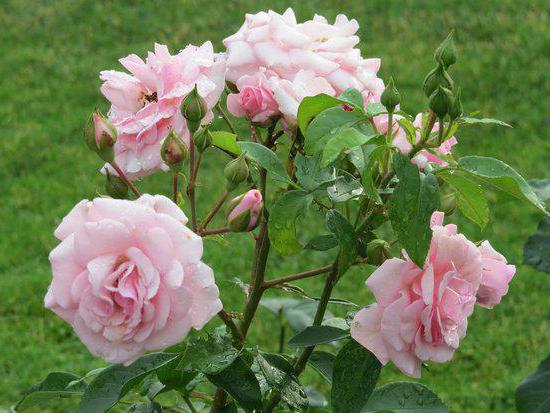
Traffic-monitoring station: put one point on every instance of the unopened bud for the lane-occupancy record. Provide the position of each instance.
(440, 102)
(438, 77)
(115, 186)
(173, 152)
(378, 251)
(456, 109)
(244, 211)
(390, 97)
(100, 136)
(236, 171)
(202, 139)
(446, 51)
(193, 109)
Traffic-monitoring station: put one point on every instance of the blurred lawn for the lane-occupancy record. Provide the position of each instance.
(51, 53)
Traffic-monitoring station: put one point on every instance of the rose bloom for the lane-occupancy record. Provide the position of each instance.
(313, 51)
(496, 275)
(421, 314)
(255, 99)
(128, 276)
(145, 104)
(249, 202)
(401, 142)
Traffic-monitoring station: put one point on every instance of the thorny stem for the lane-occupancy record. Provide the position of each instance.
(123, 176)
(204, 232)
(214, 210)
(228, 321)
(294, 277)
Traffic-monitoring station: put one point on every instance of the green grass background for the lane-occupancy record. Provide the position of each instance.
(50, 56)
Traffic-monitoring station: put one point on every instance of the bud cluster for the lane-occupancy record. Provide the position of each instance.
(438, 84)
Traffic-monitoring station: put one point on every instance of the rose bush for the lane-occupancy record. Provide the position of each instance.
(317, 141)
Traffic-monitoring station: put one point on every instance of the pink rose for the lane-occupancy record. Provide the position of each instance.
(145, 105)
(421, 313)
(244, 211)
(281, 45)
(255, 99)
(128, 276)
(496, 275)
(401, 142)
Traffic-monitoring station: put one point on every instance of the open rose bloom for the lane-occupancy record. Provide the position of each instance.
(421, 314)
(299, 60)
(128, 276)
(145, 105)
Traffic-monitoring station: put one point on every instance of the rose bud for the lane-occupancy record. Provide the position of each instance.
(236, 171)
(173, 152)
(193, 109)
(446, 51)
(103, 137)
(440, 102)
(390, 96)
(436, 78)
(244, 211)
(115, 186)
(378, 251)
(202, 139)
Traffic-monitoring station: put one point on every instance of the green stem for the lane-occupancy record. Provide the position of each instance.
(225, 118)
(214, 210)
(123, 176)
(389, 128)
(189, 404)
(191, 184)
(175, 188)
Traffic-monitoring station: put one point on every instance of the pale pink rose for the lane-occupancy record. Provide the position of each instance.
(421, 313)
(289, 93)
(401, 142)
(145, 105)
(280, 44)
(496, 275)
(248, 205)
(128, 276)
(255, 99)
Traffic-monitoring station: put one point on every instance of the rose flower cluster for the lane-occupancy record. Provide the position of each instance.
(128, 275)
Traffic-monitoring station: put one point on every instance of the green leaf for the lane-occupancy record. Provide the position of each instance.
(147, 407)
(174, 378)
(472, 201)
(346, 187)
(366, 159)
(315, 398)
(485, 121)
(315, 335)
(226, 141)
(536, 249)
(404, 397)
(323, 363)
(541, 188)
(328, 124)
(239, 382)
(302, 314)
(409, 129)
(56, 385)
(411, 206)
(279, 374)
(496, 175)
(266, 158)
(353, 97)
(282, 221)
(115, 381)
(322, 243)
(210, 354)
(533, 393)
(375, 109)
(311, 106)
(347, 239)
(355, 374)
(310, 175)
(344, 139)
